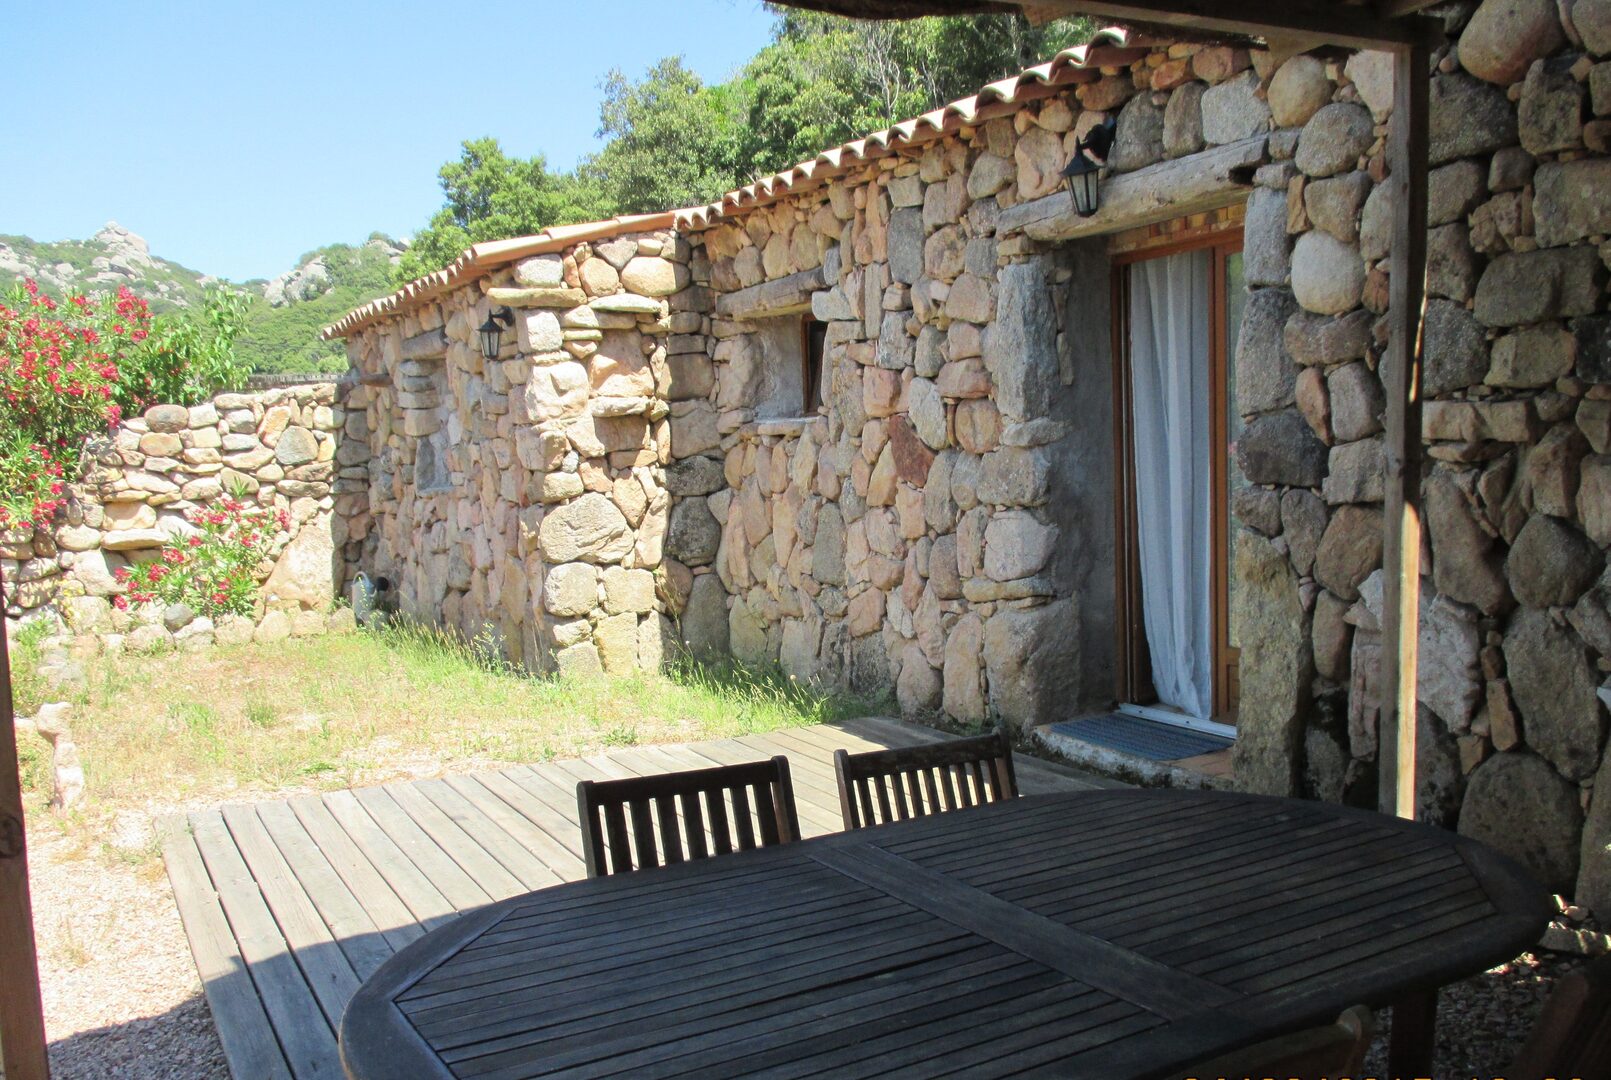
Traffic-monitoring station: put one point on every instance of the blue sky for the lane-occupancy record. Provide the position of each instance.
(234, 136)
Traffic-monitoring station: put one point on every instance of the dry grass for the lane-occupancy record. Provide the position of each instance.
(313, 714)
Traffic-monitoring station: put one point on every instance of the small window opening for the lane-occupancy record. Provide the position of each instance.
(813, 343)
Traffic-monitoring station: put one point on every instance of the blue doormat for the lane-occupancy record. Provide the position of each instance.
(1141, 738)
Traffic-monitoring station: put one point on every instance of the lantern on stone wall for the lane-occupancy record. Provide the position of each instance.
(491, 331)
(1083, 172)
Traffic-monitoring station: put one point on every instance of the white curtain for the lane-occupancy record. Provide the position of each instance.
(1170, 386)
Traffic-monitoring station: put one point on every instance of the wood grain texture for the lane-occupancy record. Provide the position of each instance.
(327, 888)
(1040, 935)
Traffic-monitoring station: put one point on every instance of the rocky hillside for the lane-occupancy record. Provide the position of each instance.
(283, 322)
(112, 257)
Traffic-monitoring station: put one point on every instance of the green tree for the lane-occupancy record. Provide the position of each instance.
(673, 141)
(492, 196)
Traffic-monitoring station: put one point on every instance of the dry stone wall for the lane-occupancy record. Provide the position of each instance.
(524, 499)
(280, 448)
(1515, 638)
(932, 529)
(627, 472)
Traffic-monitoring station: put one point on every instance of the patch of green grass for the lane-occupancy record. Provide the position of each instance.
(364, 708)
(261, 714)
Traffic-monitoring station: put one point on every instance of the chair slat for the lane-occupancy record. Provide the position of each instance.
(742, 824)
(641, 827)
(717, 805)
(615, 826)
(665, 807)
(915, 781)
(693, 817)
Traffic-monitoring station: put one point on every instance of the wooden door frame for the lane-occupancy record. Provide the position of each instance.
(22, 1023)
(1132, 667)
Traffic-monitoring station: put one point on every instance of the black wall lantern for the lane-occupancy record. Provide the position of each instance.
(1083, 171)
(491, 331)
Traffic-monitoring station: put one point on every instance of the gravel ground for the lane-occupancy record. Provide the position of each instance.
(121, 994)
(1483, 1021)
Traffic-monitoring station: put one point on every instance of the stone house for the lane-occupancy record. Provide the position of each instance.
(899, 417)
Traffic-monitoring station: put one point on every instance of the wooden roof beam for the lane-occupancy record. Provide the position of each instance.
(1354, 27)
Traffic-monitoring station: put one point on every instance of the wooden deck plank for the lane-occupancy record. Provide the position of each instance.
(248, 1039)
(564, 832)
(305, 1036)
(353, 928)
(334, 884)
(323, 964)
(402, 903)
(514, 820)
(455, 883)
(494, 829)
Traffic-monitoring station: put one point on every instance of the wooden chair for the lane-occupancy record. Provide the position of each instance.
(893, 785)
(1335, 1050)
(1573, 1033)
(685, 815)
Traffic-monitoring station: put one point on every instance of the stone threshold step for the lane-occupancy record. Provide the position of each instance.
(1204, 770)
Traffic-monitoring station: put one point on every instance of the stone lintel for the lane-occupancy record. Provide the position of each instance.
(785, 296)
(1189, 185)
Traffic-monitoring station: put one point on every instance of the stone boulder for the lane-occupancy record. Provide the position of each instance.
(1594, 872)
(571, 590)
(1277, 667)
(305, 573)
(1520, 807)
(1328, 276)
(1551, 563)
(1466, 563)
(703, 624)
(1281, 448)
(1467, 118)
(1233, 110)
(693, 535)
(1298, 90)
(1183, 120)
(1554, 684)
(1138, 139)
(1031, 662)
(590, 529)
(1266, 377)
(1504, 37)
(1334, 139)
(1350, 549)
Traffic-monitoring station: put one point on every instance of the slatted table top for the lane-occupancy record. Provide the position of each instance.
(1105, 934)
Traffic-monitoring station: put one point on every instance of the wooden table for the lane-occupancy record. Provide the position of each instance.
(1104, 934)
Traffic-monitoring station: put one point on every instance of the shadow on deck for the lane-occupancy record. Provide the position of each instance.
(290, 905)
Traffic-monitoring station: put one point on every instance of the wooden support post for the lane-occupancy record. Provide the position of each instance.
(1401, 373)
(22, 1019)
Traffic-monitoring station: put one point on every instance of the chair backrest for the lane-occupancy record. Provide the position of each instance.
(1337, 1049)
(645, 821)
(1573, 1033)
(914, 781)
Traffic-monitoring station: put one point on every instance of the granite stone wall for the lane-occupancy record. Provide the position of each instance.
(525, 498)
(630, 473)
(283, 449)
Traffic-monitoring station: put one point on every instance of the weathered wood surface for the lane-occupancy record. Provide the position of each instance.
(288, 905)
(1045, 935)
(22, 1019)
(1170, 189)
(685, 814)
(880, 786)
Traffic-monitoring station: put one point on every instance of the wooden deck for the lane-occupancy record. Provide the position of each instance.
(290, 905)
